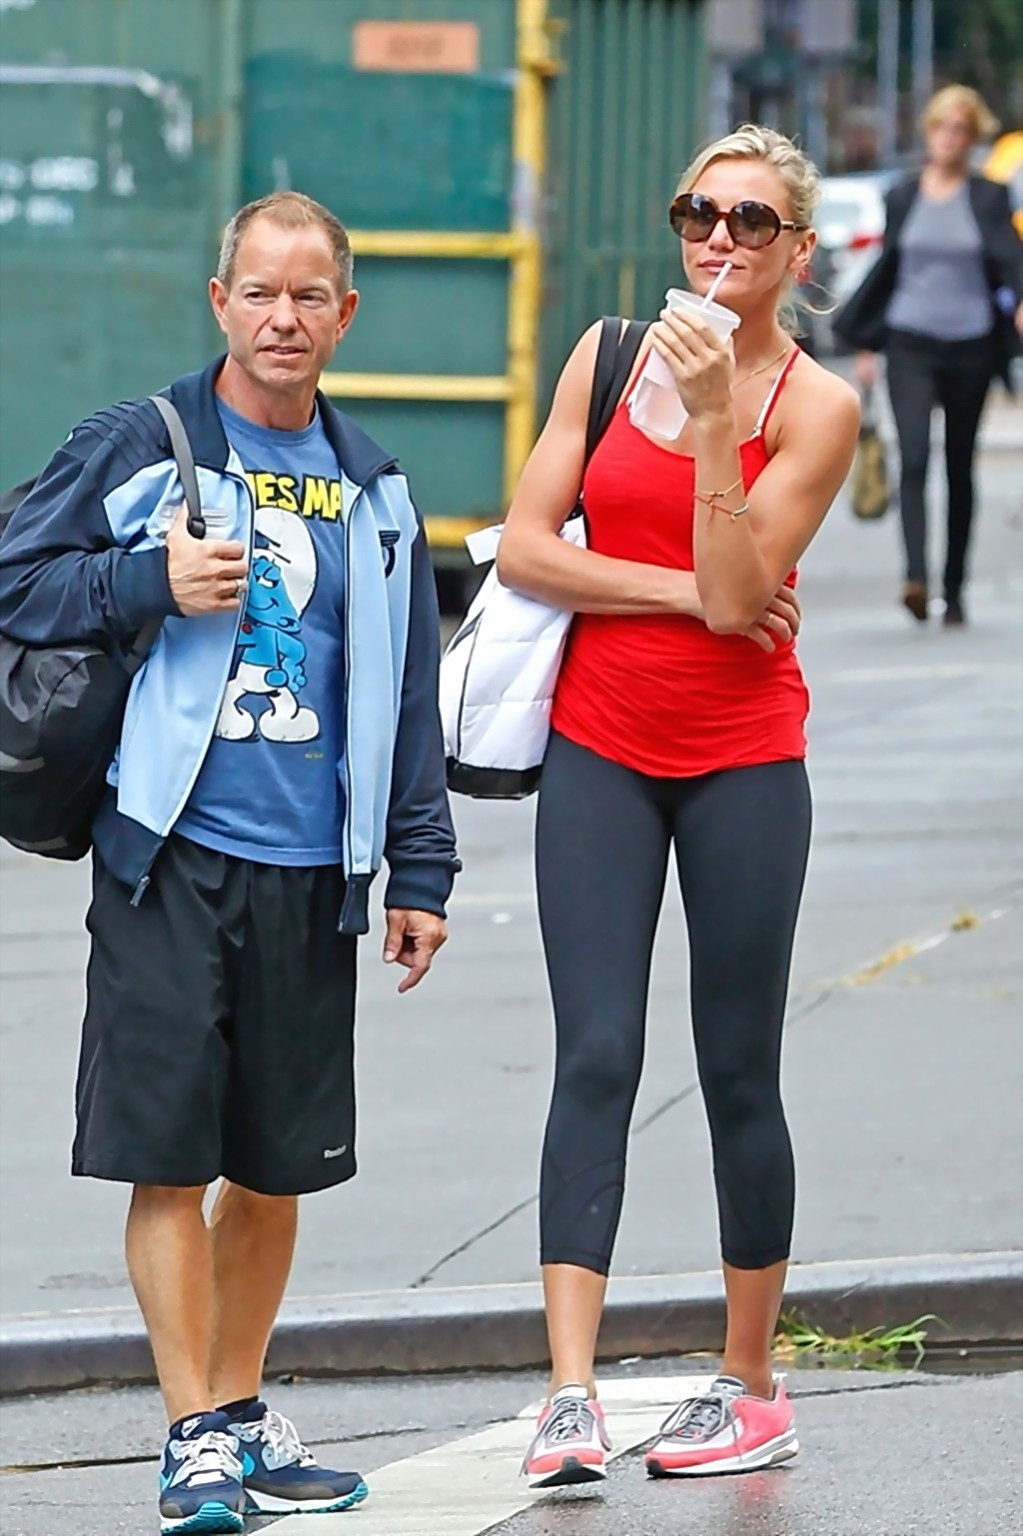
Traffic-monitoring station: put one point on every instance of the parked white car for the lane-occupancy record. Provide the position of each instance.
(850, 226)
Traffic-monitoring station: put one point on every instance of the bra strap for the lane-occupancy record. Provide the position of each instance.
(775, 390)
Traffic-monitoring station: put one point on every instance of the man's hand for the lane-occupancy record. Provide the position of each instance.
(779, 623)
(413, 938)
(206, 575)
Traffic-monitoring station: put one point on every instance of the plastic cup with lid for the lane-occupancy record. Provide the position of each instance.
(654, 404)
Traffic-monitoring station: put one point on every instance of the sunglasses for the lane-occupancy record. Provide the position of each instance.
(752, 225)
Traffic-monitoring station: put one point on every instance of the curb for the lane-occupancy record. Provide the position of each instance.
(978, 1297)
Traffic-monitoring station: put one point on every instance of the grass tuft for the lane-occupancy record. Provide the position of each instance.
(797, 1338)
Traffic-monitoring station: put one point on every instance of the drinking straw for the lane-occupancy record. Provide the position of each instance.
(716, 284)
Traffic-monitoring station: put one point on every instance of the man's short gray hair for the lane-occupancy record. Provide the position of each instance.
(288, 210)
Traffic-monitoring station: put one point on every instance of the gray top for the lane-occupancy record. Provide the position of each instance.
(941, 289)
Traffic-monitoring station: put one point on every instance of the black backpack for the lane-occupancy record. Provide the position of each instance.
(61, 707)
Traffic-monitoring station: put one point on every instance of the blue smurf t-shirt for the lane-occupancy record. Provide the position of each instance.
(269, 789)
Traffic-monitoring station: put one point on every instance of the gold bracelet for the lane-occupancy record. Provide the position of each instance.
(715, 506)
(709, 497)
(713, 500)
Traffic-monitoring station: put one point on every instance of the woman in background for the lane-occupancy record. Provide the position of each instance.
(943, 304)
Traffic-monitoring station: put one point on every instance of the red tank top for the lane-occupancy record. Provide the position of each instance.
(661, 693)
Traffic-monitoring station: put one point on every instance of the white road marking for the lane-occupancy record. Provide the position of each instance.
(466, 1487)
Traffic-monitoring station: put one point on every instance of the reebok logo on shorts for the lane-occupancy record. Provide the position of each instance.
(334, 1151)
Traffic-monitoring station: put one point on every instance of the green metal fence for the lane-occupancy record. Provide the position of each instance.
(407, 152)
(130, 129)
(624, 117)
(107, 174)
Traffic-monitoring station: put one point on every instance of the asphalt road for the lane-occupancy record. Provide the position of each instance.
(934, 1460)
(900, 1454)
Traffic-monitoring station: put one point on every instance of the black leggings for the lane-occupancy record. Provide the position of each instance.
(924, 373)
(741, 841)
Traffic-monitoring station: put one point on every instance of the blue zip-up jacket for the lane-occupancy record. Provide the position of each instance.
(83, 559)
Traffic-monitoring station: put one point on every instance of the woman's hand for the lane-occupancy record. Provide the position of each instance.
(779, 623)
(701, 364)
(1018, 318)
(866, 370)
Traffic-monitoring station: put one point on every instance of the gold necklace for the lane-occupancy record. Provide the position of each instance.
(762, 369)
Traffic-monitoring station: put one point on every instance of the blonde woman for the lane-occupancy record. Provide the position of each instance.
(678, 723)
(943, 304)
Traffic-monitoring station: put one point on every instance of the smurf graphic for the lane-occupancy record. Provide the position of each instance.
(270, 658)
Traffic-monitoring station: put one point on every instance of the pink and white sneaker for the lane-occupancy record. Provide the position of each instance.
(726, 1430)
(571, 1442)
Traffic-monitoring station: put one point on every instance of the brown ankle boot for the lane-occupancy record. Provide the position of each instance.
(914, 597)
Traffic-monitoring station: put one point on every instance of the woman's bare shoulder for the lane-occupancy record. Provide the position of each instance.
(824, 392)
(818, 415)
(815, 398)
(576, 379)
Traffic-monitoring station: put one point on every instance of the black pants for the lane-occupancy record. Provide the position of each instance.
(741, 840)
(955, 375)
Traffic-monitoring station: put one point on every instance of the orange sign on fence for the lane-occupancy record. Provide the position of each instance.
(420, 47)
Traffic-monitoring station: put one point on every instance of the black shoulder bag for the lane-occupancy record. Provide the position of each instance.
(62, 706)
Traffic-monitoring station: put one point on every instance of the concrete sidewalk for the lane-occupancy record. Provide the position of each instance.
(1001, 426)
(903, 1064)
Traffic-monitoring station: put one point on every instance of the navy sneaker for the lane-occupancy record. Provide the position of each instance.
(280, 1475)
(201, 1477)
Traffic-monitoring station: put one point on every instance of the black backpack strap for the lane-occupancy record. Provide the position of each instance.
(617, 350)
(143, 643)
(185, 460)
(182, 450)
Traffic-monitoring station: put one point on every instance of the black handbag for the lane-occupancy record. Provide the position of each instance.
(62, 706)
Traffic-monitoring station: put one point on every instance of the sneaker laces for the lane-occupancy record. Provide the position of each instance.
(568, 1420)
(208, 1458)
(283, 1440)
(698, 1418)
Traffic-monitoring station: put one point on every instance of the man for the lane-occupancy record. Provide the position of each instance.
(281, 741)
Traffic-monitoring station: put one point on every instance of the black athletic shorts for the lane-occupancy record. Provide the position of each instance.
(219, 1027)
